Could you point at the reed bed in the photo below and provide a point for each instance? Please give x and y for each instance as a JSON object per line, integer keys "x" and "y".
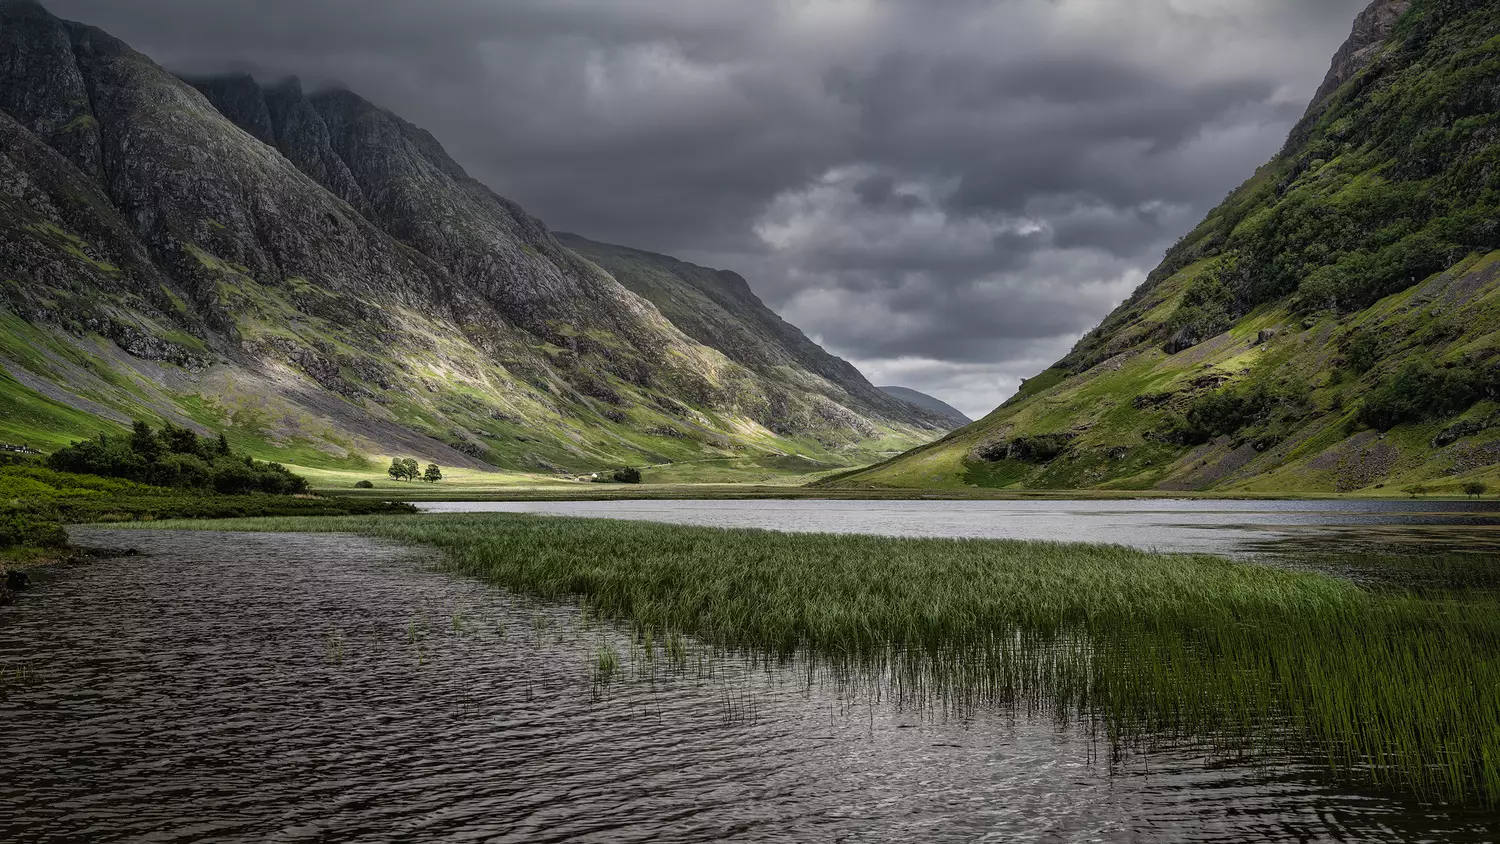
{"x": 1397, "y": 688}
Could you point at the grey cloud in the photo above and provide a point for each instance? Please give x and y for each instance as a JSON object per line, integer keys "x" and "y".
{"x": 945, "y": 190}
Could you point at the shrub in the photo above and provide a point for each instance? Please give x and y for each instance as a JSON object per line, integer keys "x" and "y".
{"x": 1363, "y": 351}
{"x": 1418, "y": 392}
{"x": 1261, "y": 402}
{"x": 364, "y": 485}
{"x": 1208, "y": 308}
{"x": 175, "y": 458}
{"x": 34, "y": 530}
{"x": 628, "y": 476}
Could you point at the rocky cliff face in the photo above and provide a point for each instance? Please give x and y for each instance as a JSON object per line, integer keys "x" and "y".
{"x": 1371, "y": 30}
{"x": 42, "y": 87}
{"x": 1334, "y": 326}
{"x": 321, "y": 271}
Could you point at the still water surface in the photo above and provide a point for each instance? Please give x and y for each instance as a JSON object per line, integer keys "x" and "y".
{"x": 1233, "y": 528}
{"x": 260, "y": 687}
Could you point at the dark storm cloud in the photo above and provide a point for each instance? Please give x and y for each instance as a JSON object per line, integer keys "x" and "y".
{"x": 947, "y": 192}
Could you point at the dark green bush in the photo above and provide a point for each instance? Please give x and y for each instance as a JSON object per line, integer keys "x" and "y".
{"x": 1209, "y": 307}
{"x": 1268, "y": 404}
{"x": 1031, "y": 448}
{"x": 33, "y": 530}
{"x": 1362, "y": 351}
{"x": 176, "y": 458}
{"x": 628, "y": 476}
{"x": 36, "y": 501}
{"x": 1418, "y": 392}
{"x": 364, "y": 485}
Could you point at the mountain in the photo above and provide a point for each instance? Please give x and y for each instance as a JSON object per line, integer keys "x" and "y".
{"x": 317, "y": 275}
{"x": 1331, "y": 327}
{"x": 923, "y": 400}
{"x": 718, "y": 309}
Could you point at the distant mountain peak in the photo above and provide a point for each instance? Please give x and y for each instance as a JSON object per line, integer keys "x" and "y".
{"x": 1371, "y": 30}
{"x": 926, "y": 402}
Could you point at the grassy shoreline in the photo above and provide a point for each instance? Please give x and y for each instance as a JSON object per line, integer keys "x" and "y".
{"x": 1395, "y": 688}
{"x": 751, "y": 492}
{"x": 35, "y": 503}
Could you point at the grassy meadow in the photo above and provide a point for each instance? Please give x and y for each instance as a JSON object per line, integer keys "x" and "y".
{"x": 36, "y": 501}
{"x": 1392, "y": 686}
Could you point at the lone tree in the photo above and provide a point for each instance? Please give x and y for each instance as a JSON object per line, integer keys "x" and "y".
{"x": 628, "y": 476}
{"x": 433, "y": 473}
{"x": 1474, "y": 489}
{"x": 397, "y": 471}
{"x": 1415, "y": 490}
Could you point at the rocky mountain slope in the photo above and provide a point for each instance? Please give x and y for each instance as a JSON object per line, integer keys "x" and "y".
{"x": 321, "y": 277}
{"x": 718, "y": 309}
{"x": 1331, "y": 327}
{"x": 931, "y": 403}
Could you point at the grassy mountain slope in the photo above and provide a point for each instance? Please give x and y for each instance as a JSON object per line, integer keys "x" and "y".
{"x": 718, "y": 308}
{"x": 1330, "y": 328}
{"x": 318, "y": 276}
{"x": 927, "y": 402}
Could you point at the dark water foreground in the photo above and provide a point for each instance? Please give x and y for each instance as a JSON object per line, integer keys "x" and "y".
{"x": 257, "y": 687}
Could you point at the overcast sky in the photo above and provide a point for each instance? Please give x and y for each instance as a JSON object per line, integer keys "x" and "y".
{"x": 946, "y": 192}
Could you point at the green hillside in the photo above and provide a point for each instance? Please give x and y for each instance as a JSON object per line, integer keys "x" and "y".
{"x": 1330, "y": 328}
{"x": 319, "y": 278}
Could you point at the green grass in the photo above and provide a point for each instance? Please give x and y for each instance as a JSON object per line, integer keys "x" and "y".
{"x": 35, "y": 501}
{"x": 1387, "y": 686}
{"x": 776, "y": 470}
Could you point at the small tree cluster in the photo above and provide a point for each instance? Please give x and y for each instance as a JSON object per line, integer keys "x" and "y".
{"x": 1419, "y": 391}
{"x": 407, "y": 469}
{"x": 1475, "y": 489}
{"x": 175, "y": 457}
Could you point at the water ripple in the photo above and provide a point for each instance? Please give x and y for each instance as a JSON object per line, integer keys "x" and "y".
{"x": 256, "y": 687}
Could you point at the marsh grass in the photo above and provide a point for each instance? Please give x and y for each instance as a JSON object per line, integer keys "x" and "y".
{"x": 1395, "y": 687}
{"x": 607, "y": 662}
{"x": 18, "y": 674}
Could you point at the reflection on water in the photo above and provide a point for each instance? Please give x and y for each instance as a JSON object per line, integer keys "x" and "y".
{"x": 262, "y": 687}
{"x": 1234, "y": 528}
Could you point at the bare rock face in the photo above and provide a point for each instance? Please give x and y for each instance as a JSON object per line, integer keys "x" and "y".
{"x": 1371, "y": 30}
{"x": 58, "y": 232}
{"x": 41, "y": 86}
{"x": 238, "y": 97}
{"x": 206, "y": 200}
{"x": 423, "y": 197}
{"x": 303, "y": 138}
